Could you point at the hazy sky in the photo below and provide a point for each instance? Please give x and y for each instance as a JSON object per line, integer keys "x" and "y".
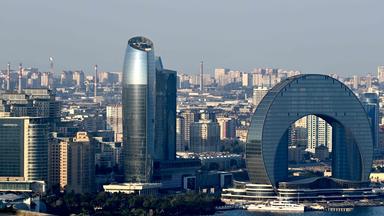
{"x": 314, "y": 36}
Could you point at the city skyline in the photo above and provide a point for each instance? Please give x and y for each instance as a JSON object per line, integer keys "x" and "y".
{"x": 238, "y": 36}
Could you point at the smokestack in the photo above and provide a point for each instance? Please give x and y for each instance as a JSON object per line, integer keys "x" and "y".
{"x": 95, "y": 86}
{"x": 8, "y": 76}
{"x": 20, "y": 76}
{"x": 51, "y": 70}
{"x": 201, "y": 76}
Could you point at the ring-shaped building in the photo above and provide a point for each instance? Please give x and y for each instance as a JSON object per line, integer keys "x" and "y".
{"x": 294, "y": 98}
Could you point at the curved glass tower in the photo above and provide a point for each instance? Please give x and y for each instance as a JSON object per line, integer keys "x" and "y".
{"x": 294, "y": 98}
{"x": 139, "y": 94}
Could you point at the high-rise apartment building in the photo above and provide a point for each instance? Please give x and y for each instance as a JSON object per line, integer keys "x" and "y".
{"x": 258, "y": 95}
{"x": 180, "y": 132}
{"x": 319, "y": 133}
{"x": 247, "y": 80}
{"x": 380, "y": 74}
{"x": 205, "y": 136}
{"x": 81, "y": 164}
{"x": 220, "y": 75}
{"x": 114, "y": 121}
{"x": 356, "y": 82}
{"x": 227, "y": 128}
{"x": 370, "y": 102}
{"x": 58, "y": 162}
{"x": 189, "y": 117}
{"x": 24, "y": 148}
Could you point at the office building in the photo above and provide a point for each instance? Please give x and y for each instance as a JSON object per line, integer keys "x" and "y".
{"x": 294, "y": 98}
{"x": 149, "y": 111}
{"x": 371, "y": 104}
{"x": 165, "y": 117}
{"x": 24, "y": 148}
{"x": 38, "y": 102}
{"x": 267, "y": 144}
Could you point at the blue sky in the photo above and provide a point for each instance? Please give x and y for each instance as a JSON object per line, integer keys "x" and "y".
{"x": 327, "y": 36}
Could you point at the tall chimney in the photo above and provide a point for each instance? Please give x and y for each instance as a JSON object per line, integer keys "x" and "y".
{"x": 20, "y": 76}
{"x": 95, "y": 86}
{"x": 8, "y": 76}
{"x": 201, "y": 76}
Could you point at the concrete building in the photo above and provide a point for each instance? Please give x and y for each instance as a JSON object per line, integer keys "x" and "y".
{"x": 205, "y": 136}
{"x": 58, "y": 162}
{"x": 39, "y": 102}
{"x": 258, "y": 95}
{"x": 380, "y": 74}
{"x": 81, "y": 165}
{"x": 319, "y": 133}
{"x": 227, "y": 128}
{"x": 114, "y": 117}
{"x": 180, "y": 132}
{"x": 24, "y": 148}
{"x": 247, "y": 80}
{"x": 189, "y": 117}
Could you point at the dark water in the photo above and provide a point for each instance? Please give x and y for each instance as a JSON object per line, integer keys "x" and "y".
{"x": 371, "y": 211}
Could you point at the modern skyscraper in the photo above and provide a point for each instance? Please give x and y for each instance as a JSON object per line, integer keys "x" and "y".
{"x": 165, "y": 117}
{"x": 24, "y": 148}
{"x": 139, "y": 85}
{"x": 371, "y": 104}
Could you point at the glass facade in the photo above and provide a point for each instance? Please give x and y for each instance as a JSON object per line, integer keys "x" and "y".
{"x": 138, "y": 109}
{"x": 24, "y": 148}
{"x": 294, "y": 98}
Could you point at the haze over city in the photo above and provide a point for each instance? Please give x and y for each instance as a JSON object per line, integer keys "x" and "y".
{"x": 340, "y": 37}
{"x": 191, "y": 107}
